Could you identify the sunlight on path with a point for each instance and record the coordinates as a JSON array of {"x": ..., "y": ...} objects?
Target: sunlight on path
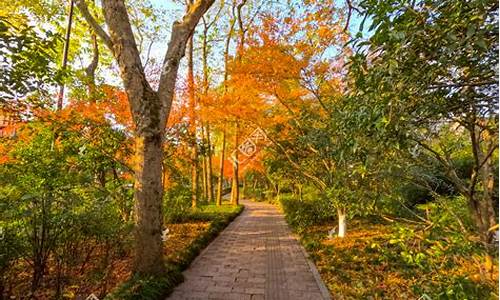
[{"x": 255, "y": 257}]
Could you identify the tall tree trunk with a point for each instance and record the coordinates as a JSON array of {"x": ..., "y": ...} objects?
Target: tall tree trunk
[
  {"x": 235, "y": 187},
  {"x": 221, "y": 169},
  {"x": 488, "y": 192},
  {"x": 226, "y": 75},
  {"x": 243, "y": 189},
  {"x": 235, "y": 190},
  {"x": 194, "y": 177},
  {"x": 92, "y": 67},
  {"x": 204, "y": 165},
  {"x": 67, "y": 37},
  {"x": 204, "y": 177},
  {"x": 148, "y": 198},
  {"x": 208, "y": 161},
  {"x": 485, "y": 213},
  {"x": 192, "y": 123},
  {"x": 482, "y": 202},
  {"x": 150, "y": 111},
  {"x": 342, "y": 222},
  {"x": 209, "y": 166}
]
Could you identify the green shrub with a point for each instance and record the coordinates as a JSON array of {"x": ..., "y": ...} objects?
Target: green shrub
[
  {"x": 257, "y": 194},
  {"x": 177, "y": 203},
  {"x": 302, "y": 214},
  {"x": 147, "y": 288}
]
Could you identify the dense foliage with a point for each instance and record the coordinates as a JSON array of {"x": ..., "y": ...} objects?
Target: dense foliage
[
  {"x": 63, "y": 194},
  {"x": 27, "y": 63}
]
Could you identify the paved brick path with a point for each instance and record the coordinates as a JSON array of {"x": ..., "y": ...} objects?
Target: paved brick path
[{"x": 255, "y": 257}]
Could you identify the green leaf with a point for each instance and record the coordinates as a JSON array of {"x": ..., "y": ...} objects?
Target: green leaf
[
  {"x": 471, "y": 29},
  {"x": 481, "y": 43}
]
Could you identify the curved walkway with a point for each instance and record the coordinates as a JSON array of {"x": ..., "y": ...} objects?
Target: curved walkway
[{"x": 255, "y": 257}]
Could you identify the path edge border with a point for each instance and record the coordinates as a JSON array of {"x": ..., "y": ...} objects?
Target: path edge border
[{"x": 325, "y": 293}]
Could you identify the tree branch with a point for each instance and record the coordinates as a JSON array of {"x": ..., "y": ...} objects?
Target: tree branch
[
  {"x": 315, "y": 179},
  {"x": 350, "y": 8},
  {"x": 449, "y": 169},
  {"x": 82, "y": 6},
  {"x": 463, "y": 84},
  {"x": 181, "y": 31},
  {"x": 91, "y": 68}
]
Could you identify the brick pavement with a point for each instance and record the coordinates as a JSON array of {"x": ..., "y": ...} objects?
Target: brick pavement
[{"x": 255, "y": 257}]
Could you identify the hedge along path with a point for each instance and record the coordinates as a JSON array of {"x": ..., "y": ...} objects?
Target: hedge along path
[{"x": 255, "y": 257}]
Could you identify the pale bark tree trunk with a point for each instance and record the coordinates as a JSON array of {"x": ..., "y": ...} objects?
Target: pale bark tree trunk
[
  {"x": 342, "y": 222},
  {"x": 241, "y": 28},
  {"x": 194, "y": 177},
  {"x": 192, "y": 123},
  {"x": 235, "y": 187},
  {"x": 67, "y": 37},
  {"x": 146, "y": 111},
  {"x": 148, "y": 203},
  {"x": 209, "y": 167},
  {"x": 244, "y": 186},
  {"x": 226, "y": 75},
  {"x": 482, "y": 203},
  {"x": 221, "y": 169},
  {"x": 150, "y": 110},
  {"x": 204, "y": 165},
  {"x": 92, "y": 67},
  {"x": 206, "y": 85}
]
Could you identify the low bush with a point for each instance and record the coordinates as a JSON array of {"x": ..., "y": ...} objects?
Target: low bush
[
  {"x": 257, "y": 194},
  {"x": 177, "y": 203},
  {"x": 301, "y": 214},
  {"x": 147, "y": 288}
]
